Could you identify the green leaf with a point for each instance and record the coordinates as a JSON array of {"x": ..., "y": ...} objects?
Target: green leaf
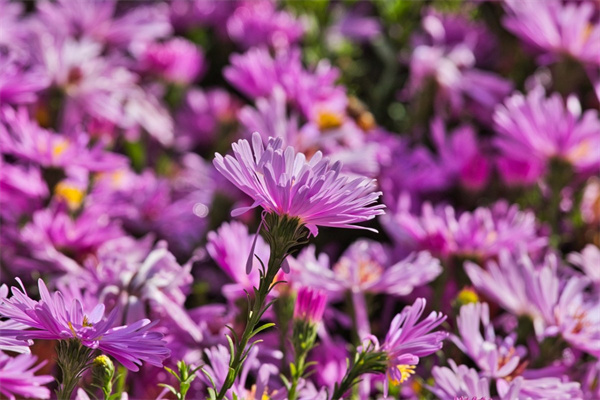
[{"x": 171, "y": 388}]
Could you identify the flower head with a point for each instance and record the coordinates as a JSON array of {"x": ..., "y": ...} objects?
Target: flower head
[
  {"x": 407, "y": 340},
  {"x": 284, "y": 183},
  {"x": 54, "y": 317},
  {"x": 310, "y": 305},
  {"x": 17, "y": 377}
]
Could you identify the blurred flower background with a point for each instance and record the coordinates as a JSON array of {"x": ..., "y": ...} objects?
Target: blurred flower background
[{"x": 462, "y": 137}]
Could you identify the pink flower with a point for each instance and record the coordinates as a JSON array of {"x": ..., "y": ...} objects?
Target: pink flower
[
  {"x": 283, "y": 182},
  {"x": 310, "y": 305},
  {"x": 54, "y": 317},
  {"x": 178, "y": 60},
  {"x": 17, "y": 377}
]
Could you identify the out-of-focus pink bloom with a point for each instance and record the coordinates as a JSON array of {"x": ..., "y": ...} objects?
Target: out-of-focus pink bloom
[
  {"x": 229, "y": 246},
  {"x": 97, "y": 21},
  {"x": 461, "y": 155},
  {"x": 519, "y": 172},
  {"x": 330, "y": 357},
  {"x": 537, "y": 128},
  {"x": 54, "y": 317},
  {"x": 283, "y": 182},
  {"x": 23, "y": 138},
  {"x": 590, "y": 203},
  {"x": 353, "y": 25},
  {"x": 17, "y": 377},
  {"x": 202, "y": 116},
  {"x": 53, "y": 234},
  {"x": 310, "y": 305},
  {"x": 20, "y": 84},
  {"x": 407, "y": 340},
  {"x": 177, "y": 60},
  {"x": 556, "y": 306},
  {"x": 459, "y": 380},
  {"x": 556, "y": 28},
  {"x": 256, "y": 23},
  {"x": 482, "y": 233},
  {"x": 538, "y": 389},
  {"x": 22, "y": 191},
  {"x": 497, "y": 358},
  {"x": 589, "y": 261},
  {"x": 186, "y": 14},
  {"x": 312, "y": 92},
  {"x": 449, "y": 53}
]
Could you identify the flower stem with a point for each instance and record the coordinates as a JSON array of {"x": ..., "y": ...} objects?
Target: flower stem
[
  {"x": 299, "y": 367},
  {"x": 365, "y": 361},
  {"x": 73, "y": 360},
  {"x": 282, "y": 233}
]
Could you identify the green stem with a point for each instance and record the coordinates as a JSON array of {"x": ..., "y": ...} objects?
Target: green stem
[
  {"x": 258, "y": 310},
  {"x": 73, "y": 360},
  {"x": 365, "y": 362},
  {"x": 300, "y": 366}
]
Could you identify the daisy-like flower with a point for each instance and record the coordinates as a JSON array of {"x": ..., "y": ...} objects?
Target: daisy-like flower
[
  {"x": 58, "y": 317},
  {"x": 17, "y": 377},
  {"x": 284, "y": 182},
  {"x": 535, "y": 128},
  {"x": 407, "y": 340}
]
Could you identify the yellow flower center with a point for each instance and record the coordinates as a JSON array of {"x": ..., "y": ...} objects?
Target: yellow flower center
[
  {"x": 72, "y": 195},
  {"x": 59, "y": 147},
  {"x": 329, "y": 120},
  {"x": 467, "y": 296},
  {"x": 405, "y": 372},
  {"x": 580, "y": 151}
]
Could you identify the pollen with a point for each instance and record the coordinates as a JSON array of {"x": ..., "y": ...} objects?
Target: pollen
[
  {"x": 70, "y": 194},
  {"x": 59, "y": 147},
  {"x": 467, "y": 296},
  {"x": 406, "y": 371},
  {"x": 329, "y": 120}
]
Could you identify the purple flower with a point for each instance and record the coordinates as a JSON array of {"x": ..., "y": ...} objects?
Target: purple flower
[
  {"x": 283, "y": 182},
  {"x": 20, "y": 84},
  {"x": 310, "y": 305},
  {"x": 538, "y": 389},
  {"x": 555, "y": 28},
  {"x": 229, "y": 246},
  {"x": 482, "y": 233},
  {"x": 22, "y": 138},
  {"x": 202, "y": 116},
  {"x": 588, "y": 260},
  {"x": 459, "y": 380},
  {"x": 177, "y": 60},
  {"x": 407, "y": 340},
  {"x": 534, "y": 128},
  {"x": 17, "y": 377},
  {"x": 590, "y": 203},
  {"x": 54, "y": 317},
  {"x": 256, "y": 23},
  {"x": 495, "y": 357},
  {"x": 22, "y": 190}
]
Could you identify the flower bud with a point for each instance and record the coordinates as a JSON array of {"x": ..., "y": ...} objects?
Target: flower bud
[{"x": 103, "y": 371}]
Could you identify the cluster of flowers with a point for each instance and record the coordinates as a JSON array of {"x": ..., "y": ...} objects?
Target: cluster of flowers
[{"x": 193, "y": 190}]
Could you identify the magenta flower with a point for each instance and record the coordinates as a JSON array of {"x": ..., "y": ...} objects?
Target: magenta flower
[
  {"x": 482, "y": 233},
  {"x": 256, "y": 23},
  {"x": 229, "y": 246},
  {"x": 283, "y": 182},
  {"x": 17, "y": 377},
  {"x": 54, "y": 317},
  {"x": 556, "y": 28},
  {"x": 310, "y": 305},
  {"x": 459, "y": 380},
  {"x": 536, "y": 128},
  {"x": 407, "y": 340},
  {"x": 177, "y": 60},
  {"x": 495, "y": 357}
]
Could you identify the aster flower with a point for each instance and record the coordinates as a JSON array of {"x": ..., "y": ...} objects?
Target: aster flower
[
  {"x": 17, "y": 377},
  {"x": 229, "y": 246},
  {"x": 588, "y": 260},
  {"x": 459, "y": 381},
  {"x": 494, "y": 356},
  {"x": 23, "y": 138},
  {"x": 256, "y": 23},
  {"x": 177, "y": 60},
  {"x": 310, "y": 305},
  {"x": 284, "y": 183},
  {"x": 482, "y": 233},
  {"x": 407, "y": 340},
  {"x": 20, "y": 84},
  {"x": 22, "y": 190},
  {"x": 537, "y": 128},
  {"x": 53, "y": 317},
  {"x": 555, "y": 28}
]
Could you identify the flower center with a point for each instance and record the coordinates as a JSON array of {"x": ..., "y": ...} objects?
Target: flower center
[
  {"x": 328, "y": 120},
  {"x": 59, "y": 147},
  {"x": 406, "y": 371},
  {"x": 72, "y": 195}
]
